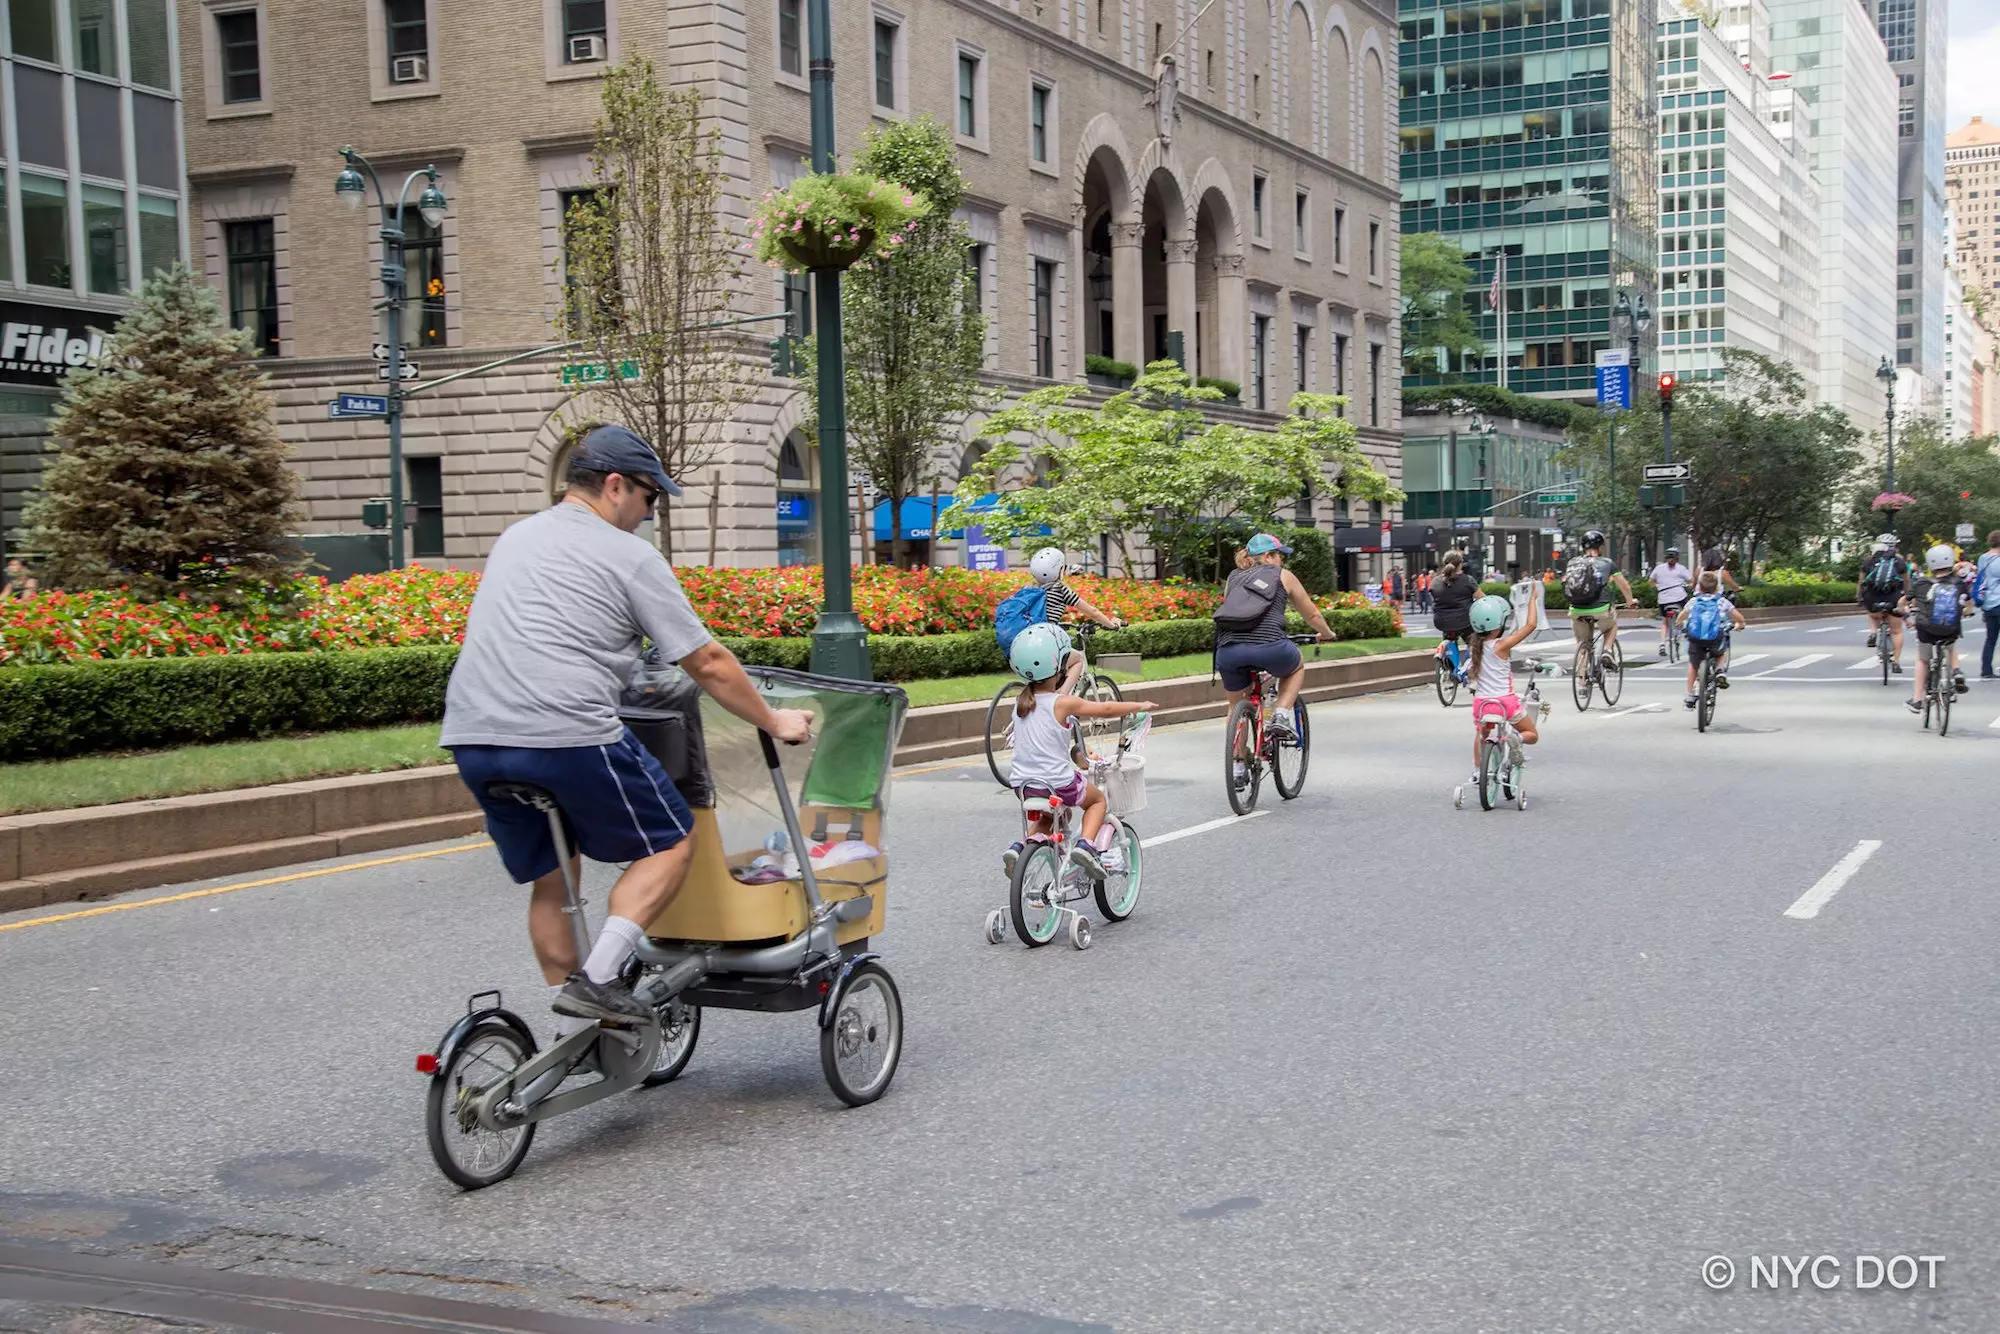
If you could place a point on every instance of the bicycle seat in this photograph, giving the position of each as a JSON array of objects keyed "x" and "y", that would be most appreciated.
[{"x": 528, "y": 794}]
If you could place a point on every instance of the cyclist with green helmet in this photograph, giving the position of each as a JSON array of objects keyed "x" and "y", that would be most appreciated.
[
  {"x": 1044, "y": 765},
  {"x": 1492, "y": 671}
]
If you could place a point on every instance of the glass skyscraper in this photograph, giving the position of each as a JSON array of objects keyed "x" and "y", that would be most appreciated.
[{"x": 1528, "y": 137}]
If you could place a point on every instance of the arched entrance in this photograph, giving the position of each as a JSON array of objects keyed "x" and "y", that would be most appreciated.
[
  {"x": 1221, "y": 298},
  {"x": 1111, "y": 315},
  {"x": 798, "y": 501},
  {"x": 1169, "y": 270}
]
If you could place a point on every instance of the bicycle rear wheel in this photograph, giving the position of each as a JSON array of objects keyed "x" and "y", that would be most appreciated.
[
  {"x": 1447, "y": 682},
  {"x": 1942, "y": 687},
  {"x": 1580, "y": 682},
  {"x": 470, "y": 1154},
  {"x": 1000, "y": 733},
  {"x": 1492, "y": 768},
  {"x": 1882, "y": 651},
  {"x": 1036, "y": 891},
  {"x": 1242, "y": 769},
  {"x": 1611, "y": 680},
  {"x": 1288, "y": 762},
  {"x": 1704, "y": 708}
]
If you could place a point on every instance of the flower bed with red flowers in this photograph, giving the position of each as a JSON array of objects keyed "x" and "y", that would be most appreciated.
[{"x": 423, "y": 606}]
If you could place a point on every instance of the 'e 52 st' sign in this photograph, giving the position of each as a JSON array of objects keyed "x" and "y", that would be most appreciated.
[{"x": 39, "y": 343}]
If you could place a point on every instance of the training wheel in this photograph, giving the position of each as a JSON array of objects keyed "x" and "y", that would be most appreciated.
[
  {"x": 996, "y": 926},
  {"x": 1079, "y": 933}
]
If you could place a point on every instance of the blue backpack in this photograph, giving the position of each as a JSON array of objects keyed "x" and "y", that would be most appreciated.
[
  {"x": 1022, "y": 608},
  {"x": 1705, "y": 618},
  {"x": 1940, "y": 610}
]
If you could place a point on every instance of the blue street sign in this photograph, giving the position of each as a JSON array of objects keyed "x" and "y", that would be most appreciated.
[
  {"x": 358, "y": 405},
  {"x": 1614, "y": 387}
]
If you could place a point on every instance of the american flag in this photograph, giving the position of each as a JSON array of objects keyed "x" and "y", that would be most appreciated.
[{"x": 1493, "y": 293}]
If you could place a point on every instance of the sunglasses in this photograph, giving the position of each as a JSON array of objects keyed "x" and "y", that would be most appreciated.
[{"x": 652, "y": 493}]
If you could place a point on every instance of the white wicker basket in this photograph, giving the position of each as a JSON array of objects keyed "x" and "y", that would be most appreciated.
[{"x": 1123, "y": 779}]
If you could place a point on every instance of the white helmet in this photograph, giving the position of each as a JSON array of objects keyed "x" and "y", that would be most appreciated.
[
  {"x": 1940, "y": 557},
  {"x": 1886, "y": 540},
  {"x": 1038, "y": 652},
  {"x": 1047, "y": 565}
]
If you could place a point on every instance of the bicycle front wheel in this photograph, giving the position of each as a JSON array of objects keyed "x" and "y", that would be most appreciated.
[
  {"x": 1611, "y": 679},
  {"x": 1288, "y": 764},
  {"x": 1100, "y": 734},
  {"x": 1581, "y": 675},
  {"x": 1242, "y": 770},
  {"x": 1000, "y": 733},
  {"x": 1118, "y": 891}
]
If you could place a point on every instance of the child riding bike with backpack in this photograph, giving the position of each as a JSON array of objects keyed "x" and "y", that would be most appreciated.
[
  {"x": 1937, "y": 608},
  {"x": 1492, "y": 672},
  {"x": 1044, "y": 763},
  {"x": 1707, "y": 622},
  {"x": 1048, "y": 600},
  {"x": 1885, "y": 578}
]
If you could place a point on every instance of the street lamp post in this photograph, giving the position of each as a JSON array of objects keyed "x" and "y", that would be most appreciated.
[
  {"x": 1634, "y": 320},
  {"x": 1887, "y": 375},
  {"x": 840, "y": 641},
  {"x": 352, "y": 190}
]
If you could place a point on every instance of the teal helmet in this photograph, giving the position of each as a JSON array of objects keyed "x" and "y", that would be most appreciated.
[
  {"x": 1490, "y": 613},
  {"x": 1039, "y": 652}
]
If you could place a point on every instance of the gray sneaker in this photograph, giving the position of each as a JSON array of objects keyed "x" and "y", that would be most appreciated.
[
  {"x": 607, "y": 1002},
  {"x": 1084, "y": 858},
  {"x": 1282, "y": 727}
]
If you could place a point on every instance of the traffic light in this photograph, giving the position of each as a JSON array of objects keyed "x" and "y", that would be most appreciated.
[
  {"x": 781, "y": 356},
  {"x": 1667, "y": 392}
]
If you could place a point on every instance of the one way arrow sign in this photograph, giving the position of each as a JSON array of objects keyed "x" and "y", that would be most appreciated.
[{"x": 1669, "y": 472}]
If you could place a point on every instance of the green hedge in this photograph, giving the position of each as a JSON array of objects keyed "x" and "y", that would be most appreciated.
[
  {"x": 130, "y": 704},
  {"x": 135, "y": 704}
]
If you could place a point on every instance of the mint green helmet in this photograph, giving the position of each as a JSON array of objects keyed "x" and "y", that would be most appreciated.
[
  {"x": 1039, "y": 652},
  {"x": 1490, "y": 613}
]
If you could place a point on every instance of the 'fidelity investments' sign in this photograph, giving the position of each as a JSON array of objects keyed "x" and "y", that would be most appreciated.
[{"x": 39, "y": 343}]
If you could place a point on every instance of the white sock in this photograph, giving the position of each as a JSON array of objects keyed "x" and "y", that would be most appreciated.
[
  {"x": 621, "y": 935},
  {"x": 567, "y": 1024}
]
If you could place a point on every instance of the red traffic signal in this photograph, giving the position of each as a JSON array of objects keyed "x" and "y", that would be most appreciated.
[{"x": 1667, "y": 391}]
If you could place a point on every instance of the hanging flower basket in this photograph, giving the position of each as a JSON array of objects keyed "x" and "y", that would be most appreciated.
[
  {"x": 833, "y": 221},
  {"x": 1893, "y": 501}
]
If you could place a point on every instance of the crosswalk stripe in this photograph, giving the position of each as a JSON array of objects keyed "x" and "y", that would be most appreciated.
[
  {"x": 1743, "y": 659},
  {"x": 1805, "y": 661},
  {"x": 1870, "y": 661},
  {"x": 1822, "y": 630}
]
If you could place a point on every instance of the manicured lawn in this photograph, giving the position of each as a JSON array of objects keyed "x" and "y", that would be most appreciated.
[
  {"x": 958, "y": 689},
  {"x": 94, "y": 780}
]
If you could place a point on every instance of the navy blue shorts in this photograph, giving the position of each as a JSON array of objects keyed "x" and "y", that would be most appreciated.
[
  {"x": 619, "y": 802},
  {"x": 1234, "y": 661}
]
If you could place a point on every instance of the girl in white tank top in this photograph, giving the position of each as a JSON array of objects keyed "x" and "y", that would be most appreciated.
[
  {"x": 1042, "y": 757},
  {"x": 1493, "y": 681}
]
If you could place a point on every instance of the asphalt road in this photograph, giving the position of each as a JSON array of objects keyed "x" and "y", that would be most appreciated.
[{"x": 1361, "y": 1062}]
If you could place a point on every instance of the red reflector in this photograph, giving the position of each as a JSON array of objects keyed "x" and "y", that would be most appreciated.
[
  {"x": 825, "y": 987},
  {"x": 427, "y": 1064}
]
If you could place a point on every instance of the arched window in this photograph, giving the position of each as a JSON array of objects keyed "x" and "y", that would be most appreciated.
[
  {"x": 791, "y": 463},
  {"x": 798, "y": 513}
]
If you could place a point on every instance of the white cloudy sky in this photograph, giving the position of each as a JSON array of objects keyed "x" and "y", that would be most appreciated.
[{"x": 1973, "y": 56}]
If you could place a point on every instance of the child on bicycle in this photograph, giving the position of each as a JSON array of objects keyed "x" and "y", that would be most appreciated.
[
  {"x": 1937, "y": 605},
  {"x": 1043, "y": 744},
  {"x": 1492, "y": 670},
  {"x": 1707, "y": 622}
]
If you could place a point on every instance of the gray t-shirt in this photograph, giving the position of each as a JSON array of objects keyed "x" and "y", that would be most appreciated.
[{"x": 553, "y": 635}]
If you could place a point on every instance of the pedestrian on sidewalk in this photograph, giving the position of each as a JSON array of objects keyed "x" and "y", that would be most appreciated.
[
  {"x": 18, "y": 582},
  {"x": 1987, "y": 593},
  {"x": 1424, "y": 592},
  {"x": 1394, "y": 587}
]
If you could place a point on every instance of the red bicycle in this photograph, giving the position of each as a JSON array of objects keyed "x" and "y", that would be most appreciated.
[{"x": 1248, "y": 749}]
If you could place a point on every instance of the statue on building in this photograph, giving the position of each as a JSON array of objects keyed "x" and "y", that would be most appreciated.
[{"x": 1166, "y": 94}]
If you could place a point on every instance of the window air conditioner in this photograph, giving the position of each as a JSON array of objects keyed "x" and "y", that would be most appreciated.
[
  {"x": 409, "y": 69},
  {"x": 586, "y": 48}
]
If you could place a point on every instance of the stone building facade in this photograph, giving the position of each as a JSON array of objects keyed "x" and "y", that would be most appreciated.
[{"x": 1243, "y": 192}]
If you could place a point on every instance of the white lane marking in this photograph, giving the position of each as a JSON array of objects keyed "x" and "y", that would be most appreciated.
[
  {"x": 1806, "y": 661},
  {"x": 1828, "y": 629},
  {"x": 1194, "y": 829},
  {"x": 1994, "y": 723},
  {"x": 1742, "y": 659},
  {"x": 1810, "y": 902},
  {"x": 1872, "y": 660},
  {"x": 1636, "y": 708}
]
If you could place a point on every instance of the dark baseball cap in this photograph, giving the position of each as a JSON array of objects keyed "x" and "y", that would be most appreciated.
[{"x": 615, "y": 449}]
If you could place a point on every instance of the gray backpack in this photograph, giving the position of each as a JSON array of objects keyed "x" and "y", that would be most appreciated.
[{"x": 1247, "y": 600}]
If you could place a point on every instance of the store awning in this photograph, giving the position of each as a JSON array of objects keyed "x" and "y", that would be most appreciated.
[{"x": 919, "y": 520}]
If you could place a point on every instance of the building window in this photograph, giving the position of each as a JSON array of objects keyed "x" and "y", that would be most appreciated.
[
  {"x": 887, "y": 35},
  {"x": 968, "y": 95},
  {"x": 569, "y": 202},
  {"x": 427, "y": 497},
  {"x": 975, "y": 275},
  {"x": 1340, "y": 342},
  {"x": 1339, "y": 236},
  {"x": 423, "y": 279},
  {"x": 45, "y": 230},
  {"x": 585, "y": 31},
  {"x": 1257, "y": 184},
  {"x": 1374, "y": 250},
  {"x": 1374, "y": 384},
  {"x": 1260, "y": 341},
  {"x": 105, "y": 241},
  {"x": 253, "y": 281},
  {"x": 1045, "y": 319},
  {"x": 240, "y": 53},
  {"x": 791, "y": 38},
  {"x": 1039, "y": 97},
  {"x": 1302, "y": 354},
  {"x": 93, "y": 26},
  {"x": 32, "y": 26},
  {"x": 1301, "y": 212},
  {"x": 409, "y": 33}
]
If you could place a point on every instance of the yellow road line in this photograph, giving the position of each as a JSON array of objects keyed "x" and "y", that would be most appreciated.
[{"x": 245, "y": 884}]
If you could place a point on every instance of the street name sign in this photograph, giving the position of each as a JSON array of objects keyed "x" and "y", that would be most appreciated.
[
  {"x": 357, "y": 405},
  {"x": 1670, "y": 472},
  {"x": 1559, "y": 498}
]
